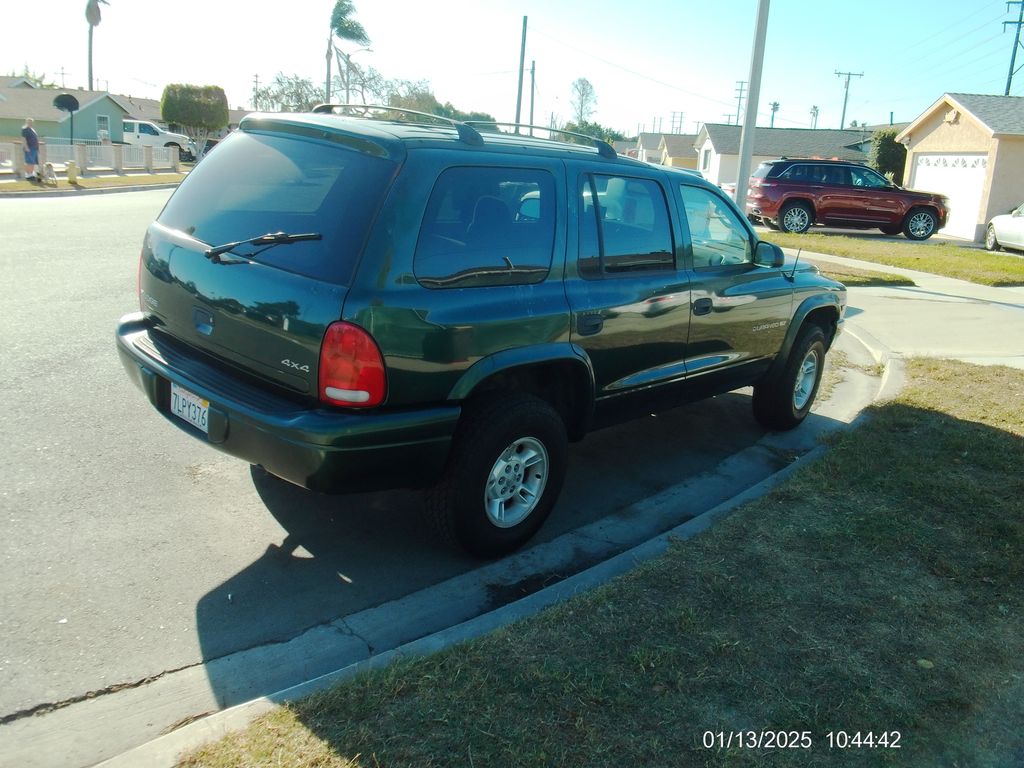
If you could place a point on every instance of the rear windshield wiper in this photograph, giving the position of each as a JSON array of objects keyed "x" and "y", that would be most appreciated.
[{"x": 268, "y": 240}]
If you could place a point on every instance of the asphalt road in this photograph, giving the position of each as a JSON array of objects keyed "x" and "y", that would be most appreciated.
[{"x": 130, "y": 549}]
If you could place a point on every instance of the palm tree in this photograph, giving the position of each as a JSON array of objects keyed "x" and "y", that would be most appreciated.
[
  {"x": 348, "y": 29},
  {"x": 92, "y": 15}
]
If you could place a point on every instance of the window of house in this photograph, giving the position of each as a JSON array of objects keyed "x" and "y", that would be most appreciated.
[
  {"x": 705, "y": 160},
  {"x": 103, "y": 125},
  {"x": 487, "y": 226},
  {"x": 718, "y": 236},
  {"x": 624, "y": 227}
]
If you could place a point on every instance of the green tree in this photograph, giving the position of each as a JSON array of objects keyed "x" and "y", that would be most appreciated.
[
  {"x": 584, "y": 100},
  {"x": 595, "y": 130},
  {"x": 887, "y": 156},
  {"x": 198, "y": 109},
  {"x": 288, "y": 94},
  {"x": 38, "y": 80},
  {"x": 93, "y": 16},
  {"x": 346, "y": 28}
]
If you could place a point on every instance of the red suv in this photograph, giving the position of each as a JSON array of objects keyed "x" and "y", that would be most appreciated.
[{"x": 793, "y": 194}]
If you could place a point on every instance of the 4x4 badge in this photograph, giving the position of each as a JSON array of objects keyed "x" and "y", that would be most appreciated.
[{"x": 289, "y": 364}]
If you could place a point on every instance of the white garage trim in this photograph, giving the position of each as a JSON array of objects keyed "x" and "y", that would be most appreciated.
[{"x": 961, "y": 178}]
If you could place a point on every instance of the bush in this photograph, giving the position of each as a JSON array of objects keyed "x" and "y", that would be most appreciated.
[{"x": 887, "y": 155}]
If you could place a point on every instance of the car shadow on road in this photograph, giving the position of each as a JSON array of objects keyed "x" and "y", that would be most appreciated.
[{"x": 340, "y": 555}]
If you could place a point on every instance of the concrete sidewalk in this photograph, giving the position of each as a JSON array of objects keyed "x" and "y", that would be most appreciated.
[{"x": 936, "y": 317}]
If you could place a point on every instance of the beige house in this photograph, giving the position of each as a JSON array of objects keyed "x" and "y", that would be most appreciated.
[
  {"x": 970, "y": 148},
  {"x": 677, "y": 150}
]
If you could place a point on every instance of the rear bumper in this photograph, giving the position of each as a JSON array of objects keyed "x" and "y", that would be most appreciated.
[{"x": 324, "y": 450}]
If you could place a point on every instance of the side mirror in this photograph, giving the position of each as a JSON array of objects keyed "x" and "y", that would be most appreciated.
[{"x": 769, "y": 255}]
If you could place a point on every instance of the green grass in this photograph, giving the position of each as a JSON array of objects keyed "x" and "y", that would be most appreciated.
[
  {"x": 852, "y": 277},
  {"x": 879, "y": 589},
  {"x": 939, "y": 258},
  {"x": 95, "y": 182}
]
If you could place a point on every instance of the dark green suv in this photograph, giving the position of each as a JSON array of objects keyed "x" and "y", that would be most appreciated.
[{"x": 359, "y": 304}]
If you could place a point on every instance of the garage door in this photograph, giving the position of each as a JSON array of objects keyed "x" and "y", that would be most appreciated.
[{"x": 961, "y": 178}]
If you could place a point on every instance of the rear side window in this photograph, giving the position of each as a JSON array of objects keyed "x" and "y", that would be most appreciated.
[
  {"x": 762, "y": 171},
  {"x": 624, "y": 227},
  {"x": 253, "y": 184},
  {"x": 487, "y": 226}
]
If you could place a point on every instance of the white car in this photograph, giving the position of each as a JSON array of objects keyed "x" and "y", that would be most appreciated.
[
  {"x": 143, "y": 133},
  {"x": 1006, "y": 230}
]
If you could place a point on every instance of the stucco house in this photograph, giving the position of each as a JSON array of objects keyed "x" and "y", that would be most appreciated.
[
  {"x": 676, "y": 150},
  {"x": 97, "y": 113},
  {"x": 718, "y": 147},
  {"x": 969, "y": 147},
  {"x": 648, "y": 147}
]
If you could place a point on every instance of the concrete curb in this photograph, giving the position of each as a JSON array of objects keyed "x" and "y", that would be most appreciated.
[
  {"x": 78, "y": 192},
  {"x": 165, "y": 750}
]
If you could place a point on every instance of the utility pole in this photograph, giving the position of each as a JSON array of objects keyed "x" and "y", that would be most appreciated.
[
  {"x": 1016, "y": 41},
  {"x": 62, "y": 73},
  {"x": 750, "y": 118},
  {"x": 814, "y": 116},
  {"x": 728, "y": 118},
  {"x": 775, "y": 108},
  {"x": 533, "y": 89},
  {"x": 255, "y": 90},
  {"x": 846, "y": 93},
  {"x": 741, "y": 86},
  {"x": 677, "y": 122},
  {"x": 522, "y": 65}
]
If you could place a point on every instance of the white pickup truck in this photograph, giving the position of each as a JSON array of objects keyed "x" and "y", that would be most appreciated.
[{"x": 142, "y": 133}]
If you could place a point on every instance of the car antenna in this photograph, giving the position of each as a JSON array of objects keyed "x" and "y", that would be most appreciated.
[{"x": 792, "y": 274}]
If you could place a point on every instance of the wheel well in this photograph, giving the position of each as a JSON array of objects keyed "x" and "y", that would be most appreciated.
[
  {"x": 922, "y": 207},
  {"x": 562, "y": 384},
  {"x": 826, "y": 318},
  {"x": 802, "y": 201}
]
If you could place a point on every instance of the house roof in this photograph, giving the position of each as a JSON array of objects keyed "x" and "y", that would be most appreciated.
[
  {"x": 649, "y": 141},
  {"x": 15, "y": 81},
  {"x": 139, "y": 108},
  {"x": 1001, "y": 115},
  {"x": 788, "y": 142},
  {"x": 37, "y": 103},
  {"x": 679, "y": 144}
]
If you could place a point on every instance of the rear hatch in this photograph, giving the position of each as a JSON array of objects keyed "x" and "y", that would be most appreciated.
[{"x": 262, "y": 309}]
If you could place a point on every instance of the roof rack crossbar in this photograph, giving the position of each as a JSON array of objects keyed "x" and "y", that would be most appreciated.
[
  {"x": 467, "y": 133},
  {"x": 604, "y": 149}
]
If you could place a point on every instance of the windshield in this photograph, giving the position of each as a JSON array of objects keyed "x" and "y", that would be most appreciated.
[{"x": 252, "y": 184}]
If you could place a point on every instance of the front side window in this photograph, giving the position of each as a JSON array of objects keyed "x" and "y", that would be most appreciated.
[
  {"x": 624, "y": 227},
  {"x": 147, "y": 129},
  {"x": 719, "y": 237},
  {"x": 485, "y": 227},
  {"x": 862, "y": 177}
]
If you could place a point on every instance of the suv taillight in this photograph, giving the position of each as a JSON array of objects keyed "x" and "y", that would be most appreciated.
[{"x": 351, "y": 368}]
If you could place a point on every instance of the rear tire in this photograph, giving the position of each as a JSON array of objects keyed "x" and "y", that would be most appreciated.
[
  {"x": 795, "y": 218},
  {"x": 782, "y": 402},
  {"x": 504, "y": 475}
]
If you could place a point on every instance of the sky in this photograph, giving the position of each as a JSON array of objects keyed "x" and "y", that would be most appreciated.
[{"x": 655, "y": 65}]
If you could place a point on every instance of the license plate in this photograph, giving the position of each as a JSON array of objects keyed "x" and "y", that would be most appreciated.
[{"x": 190, "y": 407}]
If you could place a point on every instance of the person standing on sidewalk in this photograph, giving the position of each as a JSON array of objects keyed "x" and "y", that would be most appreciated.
[{"x": 28, "y": 133}]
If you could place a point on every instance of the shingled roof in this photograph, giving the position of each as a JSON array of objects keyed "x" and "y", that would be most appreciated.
[
  {"x": 790, "y": 142},
  {"x": 37, "y": 103},
  {"x": 1000, "y": 114},
  {"x": 680, "y": 144}
]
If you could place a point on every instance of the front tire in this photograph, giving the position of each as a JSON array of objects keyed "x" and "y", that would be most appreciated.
[
  {"x": 795, "y": 218},
  {"x": 504, "y": 475},
  {"x": 991, "y": 243},
  {"x": 783, "y": 401},
  {"x": 920, "y": 224}
]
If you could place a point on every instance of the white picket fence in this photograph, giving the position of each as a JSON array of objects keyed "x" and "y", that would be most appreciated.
[{"x": 90, "y": 156}]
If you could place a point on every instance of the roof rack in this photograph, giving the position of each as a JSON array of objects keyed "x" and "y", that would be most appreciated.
[
  {"x": 467, "y": 133},
  {"x": 604, "y": 149}
]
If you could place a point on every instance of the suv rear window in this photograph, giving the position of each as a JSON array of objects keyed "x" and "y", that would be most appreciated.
[
  {"x": 762, "y": 170},
  {"x": 252, "y": 184}
]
